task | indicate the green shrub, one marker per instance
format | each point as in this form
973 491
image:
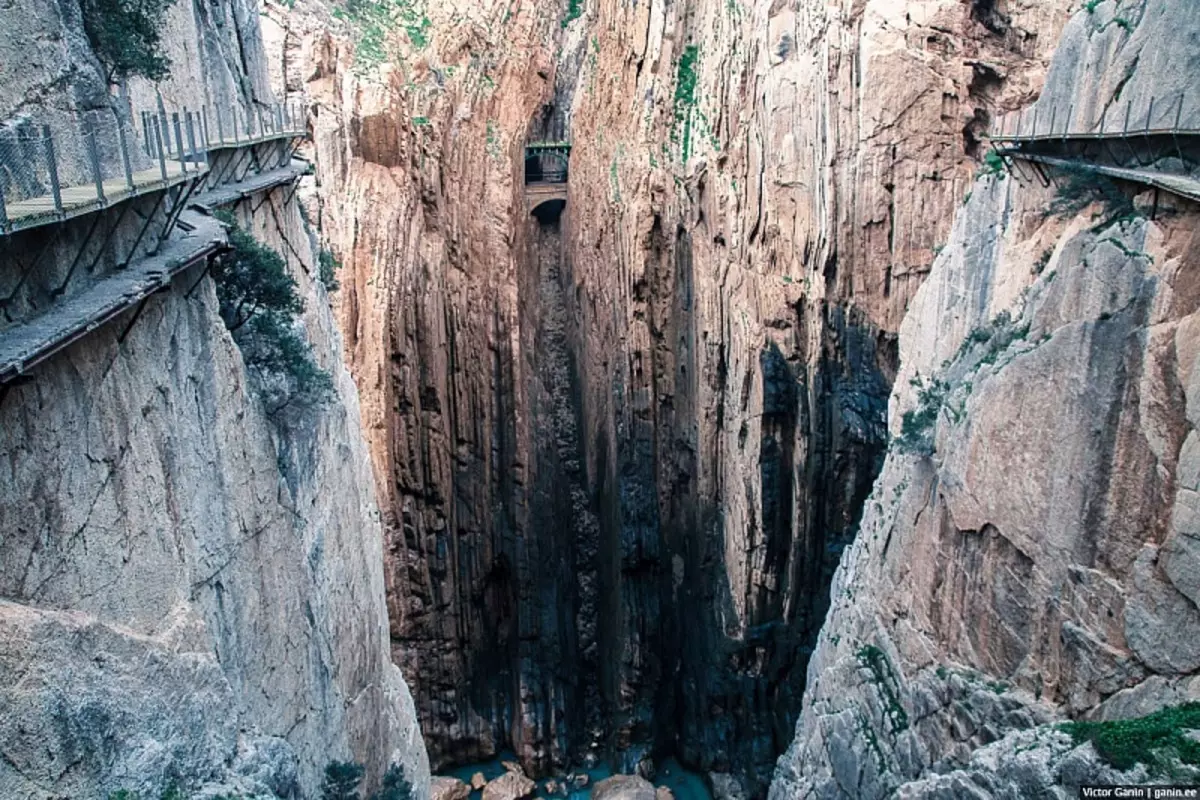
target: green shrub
1080 187
994 164
341 780
685 94
917 425
1157 741
259 305
374 20
328 267
395 785
127 36
574 11
875 660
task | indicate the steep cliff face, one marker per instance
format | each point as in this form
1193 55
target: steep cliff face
620 451
193 594
1030 562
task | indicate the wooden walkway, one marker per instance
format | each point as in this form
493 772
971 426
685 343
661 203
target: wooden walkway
26 344
179 161
228 193
77 200
1183 185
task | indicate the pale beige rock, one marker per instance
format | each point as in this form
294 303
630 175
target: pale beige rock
512 785
445 788
206 602
1036 565
478 781
624 787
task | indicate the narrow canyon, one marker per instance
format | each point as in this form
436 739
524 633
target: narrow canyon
634 399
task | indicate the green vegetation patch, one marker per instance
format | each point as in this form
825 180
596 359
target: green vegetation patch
127 36
574 12
1079 187
259 305
882 674
686 78
917 426
1158 741
343 777
994 164
375 20
328 267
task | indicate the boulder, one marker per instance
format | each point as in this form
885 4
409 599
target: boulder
512 785
624 787
663 793
478 781
446 788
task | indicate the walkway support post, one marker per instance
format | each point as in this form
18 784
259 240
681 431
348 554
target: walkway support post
191 134
123 141
52 167
179 141
89 138
220 128
162 156
3 213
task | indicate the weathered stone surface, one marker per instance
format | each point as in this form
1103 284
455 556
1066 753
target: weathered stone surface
512 785
624 787
193 590
675 395
444 788
1016 568
478 781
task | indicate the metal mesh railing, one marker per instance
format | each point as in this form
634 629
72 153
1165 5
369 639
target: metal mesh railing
547 162
53 171
1158 115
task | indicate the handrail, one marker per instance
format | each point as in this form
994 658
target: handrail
48 176
546 162
1027 124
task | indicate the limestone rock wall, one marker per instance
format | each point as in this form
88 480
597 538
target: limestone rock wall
193 594
619 455
1030 566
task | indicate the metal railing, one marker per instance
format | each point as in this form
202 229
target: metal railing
1161 116
98 158
547 162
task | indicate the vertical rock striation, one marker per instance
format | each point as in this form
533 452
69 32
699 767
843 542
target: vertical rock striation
192 593
620 455
1024 558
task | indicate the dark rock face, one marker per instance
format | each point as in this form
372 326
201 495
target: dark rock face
574 573
823 438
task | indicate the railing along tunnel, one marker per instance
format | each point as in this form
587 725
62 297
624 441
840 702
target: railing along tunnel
546 171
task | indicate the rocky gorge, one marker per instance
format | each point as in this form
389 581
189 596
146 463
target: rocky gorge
815 440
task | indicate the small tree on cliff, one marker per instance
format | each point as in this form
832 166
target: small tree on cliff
395 785
127 36
259 305
341 780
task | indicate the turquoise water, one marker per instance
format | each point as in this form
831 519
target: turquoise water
683 783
